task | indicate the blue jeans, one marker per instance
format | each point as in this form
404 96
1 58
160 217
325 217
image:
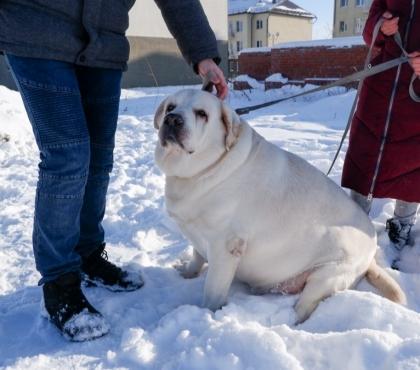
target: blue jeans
73 111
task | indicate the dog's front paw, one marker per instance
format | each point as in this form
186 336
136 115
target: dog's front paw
186 270
213 304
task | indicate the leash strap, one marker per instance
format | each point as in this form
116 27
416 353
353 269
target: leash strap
376 31
413 95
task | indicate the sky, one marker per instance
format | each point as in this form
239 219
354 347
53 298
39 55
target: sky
324 10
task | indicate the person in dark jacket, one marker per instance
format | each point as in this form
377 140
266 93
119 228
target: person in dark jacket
383 158
67 58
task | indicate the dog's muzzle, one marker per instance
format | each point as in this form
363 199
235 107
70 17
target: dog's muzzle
172 129
173 120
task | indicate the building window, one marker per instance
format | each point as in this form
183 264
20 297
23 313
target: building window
343 26
239 46
231 32
259 44
239 26
358 29
360 2
344 3
259 24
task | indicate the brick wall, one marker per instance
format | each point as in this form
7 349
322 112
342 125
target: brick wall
303 63
256 65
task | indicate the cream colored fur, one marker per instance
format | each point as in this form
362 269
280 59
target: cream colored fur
260 214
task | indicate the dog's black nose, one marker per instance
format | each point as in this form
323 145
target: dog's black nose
174 120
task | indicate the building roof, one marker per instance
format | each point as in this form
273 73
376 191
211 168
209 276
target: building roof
268 6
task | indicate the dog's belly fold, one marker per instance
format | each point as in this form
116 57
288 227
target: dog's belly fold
293 285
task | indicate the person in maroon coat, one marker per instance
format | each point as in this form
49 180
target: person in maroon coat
383 158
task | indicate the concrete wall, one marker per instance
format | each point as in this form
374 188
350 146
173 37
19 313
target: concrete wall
157 61
353 16
284 28
154 56
146 20
153 48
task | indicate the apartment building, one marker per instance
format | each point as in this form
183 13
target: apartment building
350 17
254 23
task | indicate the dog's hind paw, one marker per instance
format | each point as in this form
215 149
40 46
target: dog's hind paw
303 311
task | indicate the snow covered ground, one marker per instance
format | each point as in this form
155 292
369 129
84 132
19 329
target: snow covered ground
161 326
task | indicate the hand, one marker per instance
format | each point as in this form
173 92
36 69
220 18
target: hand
390 25
415 62
208 68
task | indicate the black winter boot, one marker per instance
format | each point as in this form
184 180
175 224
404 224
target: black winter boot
70 311
398 232
99 271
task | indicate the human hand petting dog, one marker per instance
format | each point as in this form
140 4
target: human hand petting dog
208 68
415 62
390 25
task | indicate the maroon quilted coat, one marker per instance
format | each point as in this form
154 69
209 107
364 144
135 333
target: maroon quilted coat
399 169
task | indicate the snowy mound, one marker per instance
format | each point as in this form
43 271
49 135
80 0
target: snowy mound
277 77
251 81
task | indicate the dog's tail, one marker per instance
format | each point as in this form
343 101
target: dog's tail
386 285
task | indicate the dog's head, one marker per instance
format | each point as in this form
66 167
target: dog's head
195 130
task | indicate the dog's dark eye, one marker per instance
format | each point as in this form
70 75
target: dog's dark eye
170 108
202 114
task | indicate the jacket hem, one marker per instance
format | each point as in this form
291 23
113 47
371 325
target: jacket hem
41 53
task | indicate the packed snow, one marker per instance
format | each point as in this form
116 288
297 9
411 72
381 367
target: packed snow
335 43
262 6
162 325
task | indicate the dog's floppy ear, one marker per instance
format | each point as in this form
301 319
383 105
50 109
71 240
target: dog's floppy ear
207 84
159 113
231 121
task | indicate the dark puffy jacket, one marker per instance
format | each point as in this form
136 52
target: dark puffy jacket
399 170
92 32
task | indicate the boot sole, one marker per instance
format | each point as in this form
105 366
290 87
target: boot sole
89 283
67 336
76 340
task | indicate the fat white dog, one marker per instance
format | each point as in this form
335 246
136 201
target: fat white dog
258 213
